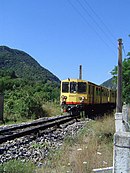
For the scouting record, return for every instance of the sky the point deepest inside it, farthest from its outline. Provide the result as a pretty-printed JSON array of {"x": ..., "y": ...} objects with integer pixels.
[{"x": 61, "y": 35}]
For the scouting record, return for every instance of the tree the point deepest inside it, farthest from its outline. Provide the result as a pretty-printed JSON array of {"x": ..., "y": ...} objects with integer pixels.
[
  {"x": 125, "y": 78},
  {"x": 13, "y": 75}
]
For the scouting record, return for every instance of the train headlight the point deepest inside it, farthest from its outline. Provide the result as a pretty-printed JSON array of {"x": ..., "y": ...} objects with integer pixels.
[
  {"x": 64, "y": 98},
  {"x": 82, "y": 99}
]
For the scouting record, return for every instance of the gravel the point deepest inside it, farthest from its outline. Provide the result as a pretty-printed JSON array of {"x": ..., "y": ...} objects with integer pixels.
[{"x": 36, "y": 147}]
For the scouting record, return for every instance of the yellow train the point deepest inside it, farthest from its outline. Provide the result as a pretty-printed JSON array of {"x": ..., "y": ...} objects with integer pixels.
[{"x": 80, "y": 95}]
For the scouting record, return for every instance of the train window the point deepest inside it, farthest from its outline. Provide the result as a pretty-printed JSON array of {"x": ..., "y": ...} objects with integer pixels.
[
  {"x": 97, "y": 91},
  {"x": 65, "y": 87},
  {"x": 82, "y": 87},
  {"x": 89, "y": 89},
  {"x": 73, "y": 87},
  {"x": 112, "y": 94}
]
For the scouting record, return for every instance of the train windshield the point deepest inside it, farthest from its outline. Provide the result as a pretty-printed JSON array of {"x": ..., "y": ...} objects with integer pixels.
[
  {"x": 81, "y": 87},
  {"x": 73, "y": 87},
  {"x": 65, "y": 87}
]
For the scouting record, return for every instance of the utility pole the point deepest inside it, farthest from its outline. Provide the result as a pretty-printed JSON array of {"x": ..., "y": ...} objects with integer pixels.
[
  {"x": 119, "y": 79},
  {"x": 121, "y": 149}
]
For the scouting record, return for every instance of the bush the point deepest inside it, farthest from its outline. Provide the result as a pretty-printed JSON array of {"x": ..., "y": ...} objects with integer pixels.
[{"x": 24, "y": 101}]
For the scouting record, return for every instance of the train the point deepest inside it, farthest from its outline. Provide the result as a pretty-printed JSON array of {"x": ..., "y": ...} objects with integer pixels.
[{"x": 79, "y": 95}]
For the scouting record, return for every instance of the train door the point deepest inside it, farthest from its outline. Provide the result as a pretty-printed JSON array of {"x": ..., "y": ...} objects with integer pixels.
[
  {"x": 93, "y": 94},
  {"x": 89, "y": 94},
  {"x": 101, "y": 91}
]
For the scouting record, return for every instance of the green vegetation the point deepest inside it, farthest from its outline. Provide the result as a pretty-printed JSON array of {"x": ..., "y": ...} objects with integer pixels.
[
  {"x": 126, "y": 78},
  {"x": 25, "y": 99},
  {"x": 91, "y": 148},
  {"x": 112, "y": 83},
  {"x": 30, "y": 91},
  {"x": 17, "y": 166},
  {"x": 24, "y": 65}
]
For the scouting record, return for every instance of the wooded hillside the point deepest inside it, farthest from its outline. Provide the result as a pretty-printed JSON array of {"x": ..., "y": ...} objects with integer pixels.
[
  {"x": 26, "y": 86},
  {"x": 23, "y": 65}
]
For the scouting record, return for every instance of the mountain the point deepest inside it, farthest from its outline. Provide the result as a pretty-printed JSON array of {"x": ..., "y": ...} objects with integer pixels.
[
  {"x": 109, "y": 84},
  {"x": 24, "y": 65}
]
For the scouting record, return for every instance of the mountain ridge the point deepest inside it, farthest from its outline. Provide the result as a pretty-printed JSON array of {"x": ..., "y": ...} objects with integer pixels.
[
  {"x": 110, "y": 83},
  {"x": 24, "y": 65}
]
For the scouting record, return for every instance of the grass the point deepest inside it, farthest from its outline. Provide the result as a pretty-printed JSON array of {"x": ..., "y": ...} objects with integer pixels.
[
  {"x": 91, "y": 148},
  {"x": 17, "y": 166},
  {"x": 50, "y": 109}
]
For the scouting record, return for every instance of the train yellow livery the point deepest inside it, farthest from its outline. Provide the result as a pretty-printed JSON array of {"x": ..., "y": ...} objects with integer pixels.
[{"x": 81, "y": 95}]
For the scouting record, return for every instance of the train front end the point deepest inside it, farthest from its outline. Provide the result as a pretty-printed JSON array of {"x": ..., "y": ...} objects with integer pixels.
[{"x": 73, "y": 95}]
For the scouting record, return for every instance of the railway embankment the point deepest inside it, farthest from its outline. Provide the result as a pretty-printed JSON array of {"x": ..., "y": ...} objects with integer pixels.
[
  {"x": 79, "y": 146},
  {"x": 36, "y": 147},
  {"x": 91, "y": 147}
]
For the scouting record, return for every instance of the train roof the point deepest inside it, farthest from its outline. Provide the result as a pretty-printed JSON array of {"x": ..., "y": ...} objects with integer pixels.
[
  {"x": 81, "y": 80},
  {"x": 73, "y": 80},
  {"x": 78, "y": 80}
]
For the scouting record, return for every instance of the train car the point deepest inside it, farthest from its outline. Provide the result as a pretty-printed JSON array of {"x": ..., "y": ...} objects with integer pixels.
[
  {"x": 73, "y": 94},
  {"x": 112, "y": 98},
  {"x": 80, "y": 95}
]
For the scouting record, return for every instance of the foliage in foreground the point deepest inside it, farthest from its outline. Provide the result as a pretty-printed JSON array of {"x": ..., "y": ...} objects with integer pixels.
[
  {"x": 17, "y": 166},
  {"x": 126, "y": 78},
  {"x": 91, "y": 148}
]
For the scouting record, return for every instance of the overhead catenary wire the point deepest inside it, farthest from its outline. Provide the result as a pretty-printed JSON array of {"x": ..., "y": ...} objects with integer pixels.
[
  {"x": 95, "y": 22},
  {"x": 80, "y": 13},
  {"x": 100, "y": 19}
]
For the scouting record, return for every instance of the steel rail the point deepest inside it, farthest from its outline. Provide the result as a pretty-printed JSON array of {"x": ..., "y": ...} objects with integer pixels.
[
  {"x": 38, "y": 126},
  {"x": 34, "y": 123}
]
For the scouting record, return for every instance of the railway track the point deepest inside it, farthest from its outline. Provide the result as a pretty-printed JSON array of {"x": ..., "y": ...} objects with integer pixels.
[{"x": 10, "y": 133}]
